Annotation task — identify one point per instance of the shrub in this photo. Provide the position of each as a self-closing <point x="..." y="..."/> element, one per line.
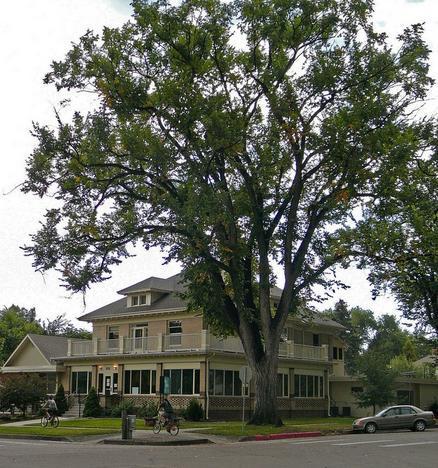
<point x="116" y="412"/>
<point x="194" y="411"/>
<point x="22" y="391"/>
<point x="434" y="407"/>
<point x="61" y="401"/>
<point x="92" y="408"/>
<point x="147" y="410"/>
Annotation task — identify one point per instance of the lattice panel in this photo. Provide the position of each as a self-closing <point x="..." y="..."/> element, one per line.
<point x="309" y="403"/>
<point x="227" y="402"/>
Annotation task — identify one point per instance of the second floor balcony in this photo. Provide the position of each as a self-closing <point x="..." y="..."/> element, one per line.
<point x="179" y="343"/>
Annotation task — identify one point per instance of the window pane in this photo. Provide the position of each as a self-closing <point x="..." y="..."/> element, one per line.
<point x="286" y="385"/>
<point x="113" y="333"/>
<point x="211" y="382"/>
<point x="297" y="385"/>
<point x="197" y="379"/>
<point x="228" y="382"/>
<point x="100" y="383"/>
<point x="145" y="383"/>
<point x="310" y="385"/>
<point x="335" y="352"/>
<point x="187" y="388"/>
<point x="340" y="353"/>
<point x="279" y="385"/>
<point x="219" y="382"/>
<point x="154" y="380"/>
<point x="135" y="381"/>
<point x="127" y="381"/>
<point x="237" y="384"/>
<point x="175" y="381"/>
<point x="315" y="340"/>
<point x="175" y="326"/>
<point x="321" y="387"/>
<point x="303" y="386"/>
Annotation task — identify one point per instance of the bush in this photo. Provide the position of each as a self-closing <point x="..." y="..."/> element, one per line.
<point x="61" y="401"/>
<point x="116" y="412"/>
<point x="22" y="391"/>
<point x="194" y="411"/>
<point x="92" y="408"/>
<point x="147" y="410"/>
<point x="434" y="407"/>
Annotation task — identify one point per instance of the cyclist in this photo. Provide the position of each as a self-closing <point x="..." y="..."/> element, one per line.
<point x="166" y="410"/>
<point x="51" y="407"/>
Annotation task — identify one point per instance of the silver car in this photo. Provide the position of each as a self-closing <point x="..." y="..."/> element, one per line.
<point x="396" y="417"/>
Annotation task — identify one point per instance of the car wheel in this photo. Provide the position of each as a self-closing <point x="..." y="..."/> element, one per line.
<point x="370" y="428"/>
<point x="419" y="426"/>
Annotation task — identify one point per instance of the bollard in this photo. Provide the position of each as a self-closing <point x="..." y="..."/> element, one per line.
<point x="125" y="435"/>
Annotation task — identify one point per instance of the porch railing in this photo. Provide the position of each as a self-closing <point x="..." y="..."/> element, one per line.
<point x="186" y="342"/>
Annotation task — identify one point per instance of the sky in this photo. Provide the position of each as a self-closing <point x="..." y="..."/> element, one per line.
<point x="32" y="35"/>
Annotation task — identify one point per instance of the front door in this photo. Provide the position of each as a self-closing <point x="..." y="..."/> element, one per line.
<point x="108" y="379"/>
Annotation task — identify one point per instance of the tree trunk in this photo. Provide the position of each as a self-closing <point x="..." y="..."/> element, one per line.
<point x="265" y="381"/>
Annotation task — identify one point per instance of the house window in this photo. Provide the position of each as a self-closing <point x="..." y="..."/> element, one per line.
<point x="356" y="389"/>
<point x="309" y="386"/>
<point x="282" y="385"/>
<point x="183" y="381"/>
<point x="140" y="382"/>
<point x="113" y="333"/>
<point x="337" y="353"/>
<point x="316" y="340"/>
<point x="80" y="382"/>
<point x="143" y="299"/>
<point x="224" y="382"/>
<point x="175" y="330"/>
<point x="134" y="301"/>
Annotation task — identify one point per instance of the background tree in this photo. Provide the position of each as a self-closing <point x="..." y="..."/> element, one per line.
<point x="22" y="391"/>
<point x="92" y="408"/>
<point x="399" y="238"/>
<point x="15" y="323"/>
<point x="359" y="326"/>
<point x="61" y="400"/>
<point x="231" y="135"/>
<point x="61" y="326"/>
<point x="378" y="381"/>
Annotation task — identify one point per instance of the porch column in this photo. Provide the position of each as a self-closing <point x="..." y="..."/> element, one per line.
<point x="94" y="376"/>
<point x="121" y="382"/>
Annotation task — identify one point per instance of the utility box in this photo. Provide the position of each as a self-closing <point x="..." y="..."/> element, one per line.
<point x="131" y="422"/>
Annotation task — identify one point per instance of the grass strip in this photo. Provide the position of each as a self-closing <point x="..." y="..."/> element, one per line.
<point x="54" y="432"/>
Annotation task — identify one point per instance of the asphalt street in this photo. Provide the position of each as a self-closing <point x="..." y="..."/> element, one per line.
<point x="386" y="449"/>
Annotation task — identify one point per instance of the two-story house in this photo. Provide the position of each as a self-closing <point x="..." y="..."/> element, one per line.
<point x="149" y="333"/>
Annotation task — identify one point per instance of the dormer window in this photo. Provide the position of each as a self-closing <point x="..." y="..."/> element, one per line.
<point x="140" y="299"/>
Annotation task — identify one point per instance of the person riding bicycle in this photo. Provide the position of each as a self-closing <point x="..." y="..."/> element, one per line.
<point x="51" y="407"/>
<point x="166" y="410"/>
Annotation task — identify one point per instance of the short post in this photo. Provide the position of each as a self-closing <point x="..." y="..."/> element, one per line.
<point x="124" y="425"/>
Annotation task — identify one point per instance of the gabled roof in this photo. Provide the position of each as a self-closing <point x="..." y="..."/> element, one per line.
<point x="48" y="346"/>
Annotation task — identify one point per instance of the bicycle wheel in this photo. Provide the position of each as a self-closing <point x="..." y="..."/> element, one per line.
<point x="174" y="429"/>
<point x="55" y="421"/>
<point x="44" y="421"/>
<point x="157" y="428"/>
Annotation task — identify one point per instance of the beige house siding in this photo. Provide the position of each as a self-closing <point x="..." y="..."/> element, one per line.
<point x="28" y="356"/>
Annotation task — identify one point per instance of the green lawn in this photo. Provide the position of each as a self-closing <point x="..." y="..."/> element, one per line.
<point x="226" y="428"/>
<point x="51" y="431"/>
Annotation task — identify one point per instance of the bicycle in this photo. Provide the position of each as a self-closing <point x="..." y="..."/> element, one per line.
<point x="172" y="426"/>
<point x="46" y="419"/>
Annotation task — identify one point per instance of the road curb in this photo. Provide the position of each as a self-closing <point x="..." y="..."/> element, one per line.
<point x="285" y="435"/>
<point x="155" y="443"/>
<point x="36" y="437"/>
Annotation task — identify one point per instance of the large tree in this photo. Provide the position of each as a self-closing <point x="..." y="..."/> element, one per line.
<point x="233" y="136"/>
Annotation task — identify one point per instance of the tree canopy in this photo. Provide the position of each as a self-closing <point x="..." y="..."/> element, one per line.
<point x="233" y="136"/>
